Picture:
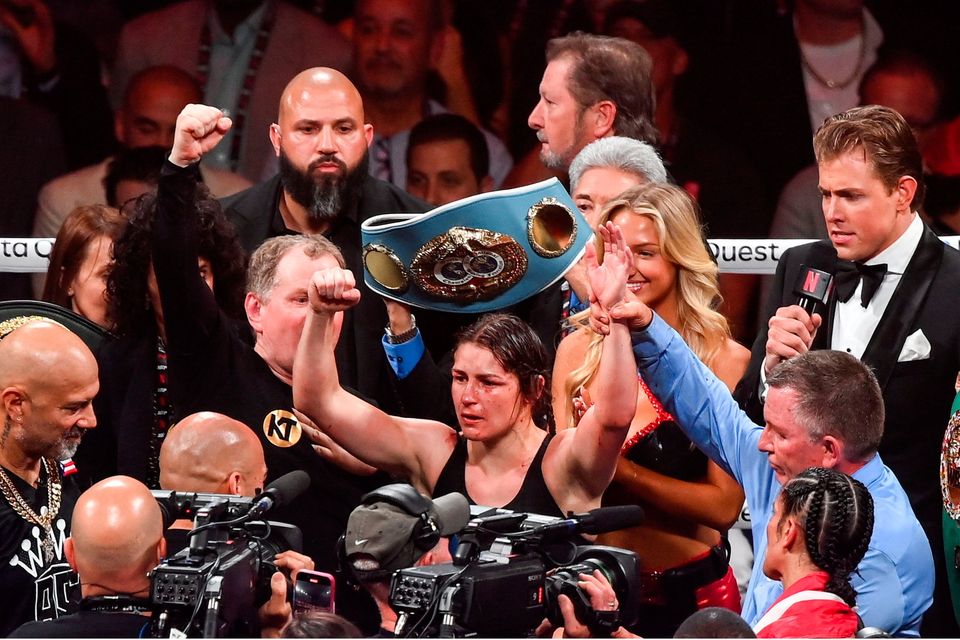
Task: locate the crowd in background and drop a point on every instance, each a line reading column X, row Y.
column 247, row 140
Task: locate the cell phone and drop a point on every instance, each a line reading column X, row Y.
column 314, row 591
column 25, row 15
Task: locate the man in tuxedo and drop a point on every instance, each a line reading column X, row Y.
column 895, row 283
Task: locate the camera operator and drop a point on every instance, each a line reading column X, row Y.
column 385, row 534
column 116, row 539
column 602, row 598
column 211, row 453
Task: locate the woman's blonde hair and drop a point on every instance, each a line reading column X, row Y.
column 682, row 244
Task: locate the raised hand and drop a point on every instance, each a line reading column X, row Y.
column 791, row 332
column 199, row 129
column 333, row 290
column 608, row 281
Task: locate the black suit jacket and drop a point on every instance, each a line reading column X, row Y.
column 917, row 395
column 361, row 362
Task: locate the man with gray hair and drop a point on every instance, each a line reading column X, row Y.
column 603, row 170
column 607, row 167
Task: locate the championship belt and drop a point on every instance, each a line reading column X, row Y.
column 478, row 254
column 950, row 468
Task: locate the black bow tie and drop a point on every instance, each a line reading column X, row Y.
column 849, row 275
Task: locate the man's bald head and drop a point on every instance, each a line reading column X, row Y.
column 319, row 83
column 210, row 452
column 116, row 536
column 48, row 378
column 321, row 140
column 153, row 99
column 39, row 349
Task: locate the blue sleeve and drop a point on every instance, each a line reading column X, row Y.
column 880, row 596
column 404, row 357
column 702, row 406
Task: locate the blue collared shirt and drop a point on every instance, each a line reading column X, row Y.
column 403, row 357
column 894, row 582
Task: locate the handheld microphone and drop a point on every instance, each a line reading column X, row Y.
column 281, row 491
column 815, row 281
column 594, row 521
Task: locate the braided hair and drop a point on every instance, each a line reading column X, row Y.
column 836, row 515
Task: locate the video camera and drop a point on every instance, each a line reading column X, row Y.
column 509, row 569
column 226, row 568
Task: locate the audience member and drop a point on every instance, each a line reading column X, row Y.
column 942, row 174
column 216, row 370
column 900, row 80
column 137, row 400
column 81, row 260
column 689, row 502
column 699, row 159
column 153, row 98
column 242, row 54
column 447, row 159
column 780, row 71
column 48, row 379
column 895, row 319
column 817, row 535
column 593, row 87
column 324, row 187
column 824, row 408
column 116, row 539
column 31, row 154
column 506, row 455
column 395, row 44
column 132, row 173
column 56, row 67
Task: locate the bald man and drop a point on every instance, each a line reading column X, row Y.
column 209, row 452
column 321, row 138
column 48, row 378
column 116, row 539
column 147, row 117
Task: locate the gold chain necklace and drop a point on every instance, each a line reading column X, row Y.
column 23, row 509
column 839, row 84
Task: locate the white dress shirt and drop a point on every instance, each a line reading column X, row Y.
column 853, row 325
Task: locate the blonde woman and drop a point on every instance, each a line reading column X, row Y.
column 689, row 501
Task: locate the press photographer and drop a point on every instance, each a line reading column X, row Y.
column 229, row 550
column 209, row 452
column 394, row 528
column 512, row 570
column 116, row 540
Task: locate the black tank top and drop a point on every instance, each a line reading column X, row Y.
column 533, row 497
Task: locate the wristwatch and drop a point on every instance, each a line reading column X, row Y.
column 400, row 338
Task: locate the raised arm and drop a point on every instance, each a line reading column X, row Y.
column 416, row 449
column 190, row 309
column 594, row 446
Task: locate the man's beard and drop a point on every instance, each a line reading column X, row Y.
column 61, row 449
column 560, row 160
column 327, row 196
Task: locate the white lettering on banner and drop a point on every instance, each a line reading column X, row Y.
column 31, row 255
